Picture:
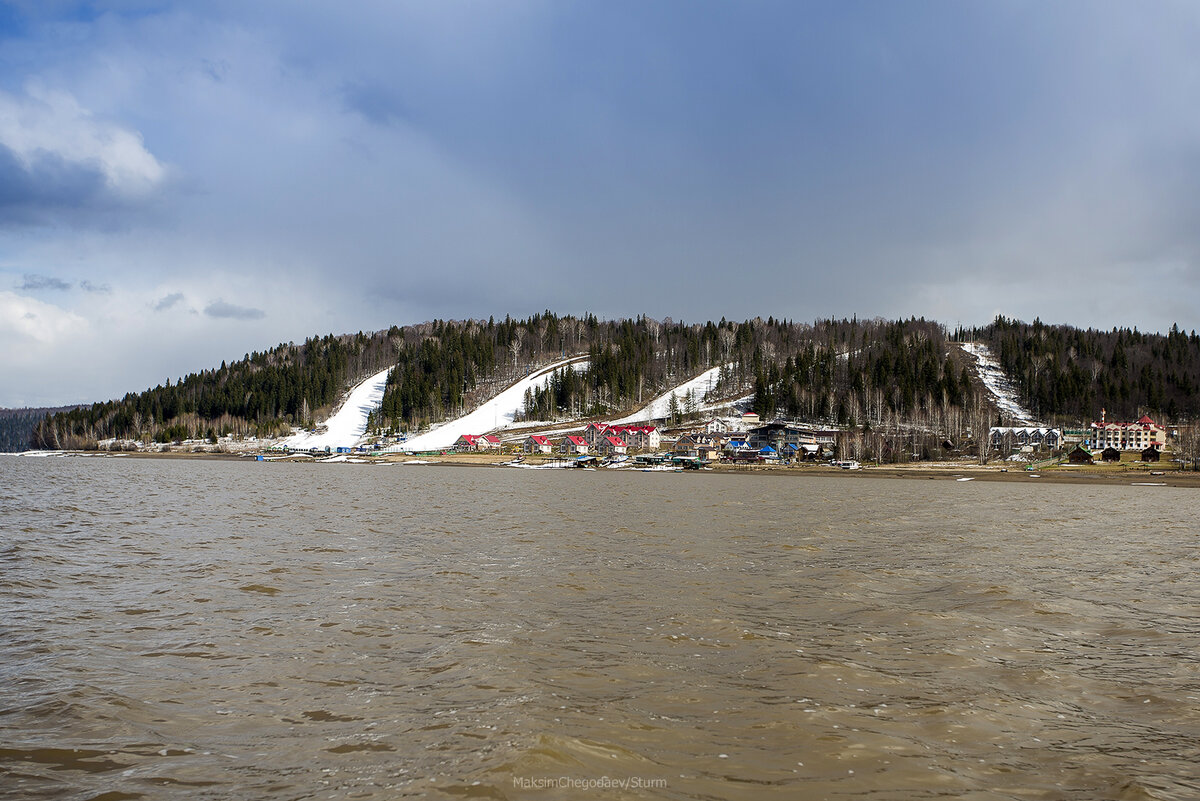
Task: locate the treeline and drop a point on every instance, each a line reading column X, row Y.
column 445, row 368
column 854, row 372
column 834, row 370
column 16, row 426
column 263, row 394
column 1067, row 374
column 851, row 372
column 877, row 375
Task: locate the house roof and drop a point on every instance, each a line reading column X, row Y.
column 539, row 439
column 616, row 442
column 576, row 440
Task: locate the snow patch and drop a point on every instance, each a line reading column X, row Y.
column 493, row 415
column 349, row 423
column 660, row 407
column 996, row 382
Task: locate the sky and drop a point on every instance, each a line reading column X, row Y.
column 182, row 183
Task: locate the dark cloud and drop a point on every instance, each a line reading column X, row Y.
column 88, row 286
column 221, row 309
column 32, row 283
column 404, row 161
column 168, row 301
column 48, row 189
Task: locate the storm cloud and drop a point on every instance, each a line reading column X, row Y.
column 338, row 169
column 60, row 163
column 228, row 311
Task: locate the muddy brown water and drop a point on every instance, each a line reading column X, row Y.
column 191, row 629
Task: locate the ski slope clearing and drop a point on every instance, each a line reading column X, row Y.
column 993, row 378
column 494, row 414
column 660, row 407
column 349, row 423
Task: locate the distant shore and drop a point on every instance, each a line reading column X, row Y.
column 1116, row 475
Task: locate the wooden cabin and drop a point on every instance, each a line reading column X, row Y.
column 1080, row 455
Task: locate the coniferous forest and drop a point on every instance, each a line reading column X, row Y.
column 16, row 426
column 1068, row 374
column 873, row 374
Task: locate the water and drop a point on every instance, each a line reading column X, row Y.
column 194, row 629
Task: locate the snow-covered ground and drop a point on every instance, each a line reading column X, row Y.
column 493, row 415
column 996, row 382
column 660, row 407
column 349, row 423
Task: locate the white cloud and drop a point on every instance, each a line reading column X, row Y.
column 25, row 321
column 50, row 124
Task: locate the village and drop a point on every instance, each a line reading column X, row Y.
column 722, row 440
column 747, row 441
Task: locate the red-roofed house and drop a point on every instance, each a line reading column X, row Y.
column 594, row 432
column 537, row 444
column 642, row 438
column 573, row 445
column 477, row 442
column 466, row 443
column 611, row 446
column 1127, row 436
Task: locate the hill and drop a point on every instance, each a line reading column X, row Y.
column 17, row 425
column 1065, row 374
column 902, row 376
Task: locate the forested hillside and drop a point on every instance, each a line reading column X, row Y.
column 875, row 374
column 263, row 394
column 16, row 426
column 1068, row 375
column 447, row 366
column 833, row 371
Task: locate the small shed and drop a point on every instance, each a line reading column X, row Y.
column 1151, row 454
column 1110, row 454
column 1080, row 455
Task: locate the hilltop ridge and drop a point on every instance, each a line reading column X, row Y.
column 909, row 374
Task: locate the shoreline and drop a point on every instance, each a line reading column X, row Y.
column 1084, row 475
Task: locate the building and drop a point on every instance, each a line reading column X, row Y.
column 575, row 446
column 537, row 444
column 641, row 438
column 465, row 443
column 611, row 446
column 778, row 436
column 1075, row 436
column 1017, row 437
column 594, row 432
column 1151, row 454
column 805, row 452
column 476, row 442
column 686, row 447
column 1080, row 455
column 1126, row 436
